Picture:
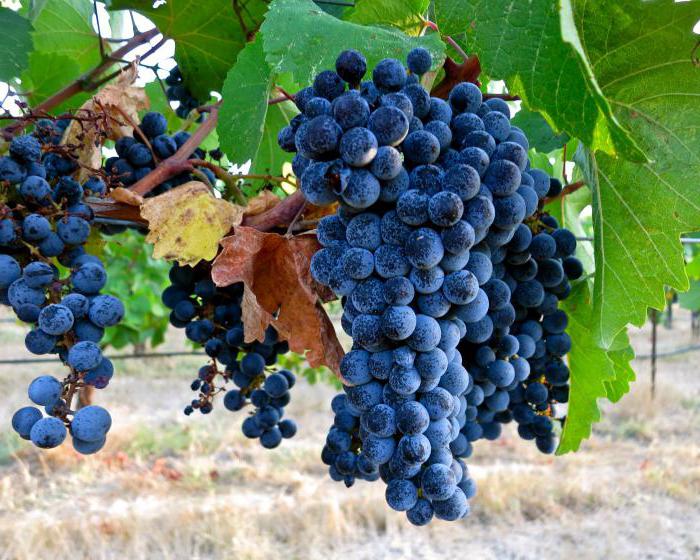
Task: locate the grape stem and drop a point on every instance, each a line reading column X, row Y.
column 231, row 181
column 448, row 39
column 566, row 191
column 178, row 162
column 85, row 82
column 504, row 96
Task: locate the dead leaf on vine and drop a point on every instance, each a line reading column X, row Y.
column 276, row 270
column 314, row 213
column 261, row 203
column 254, row 318
column 102, row 116
column 186, row 223
column 125, row 196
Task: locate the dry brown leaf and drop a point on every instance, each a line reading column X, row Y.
column 114, row 100
column 186, row 223
column 254, row 318
column 312, row 212
column 125, row 196
column 276, row 269
column 261, row 203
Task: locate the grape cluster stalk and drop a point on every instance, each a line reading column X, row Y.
column 444, row 263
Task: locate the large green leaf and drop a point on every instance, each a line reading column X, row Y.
column 451, row 16
column 539, row 133
column 593, row 371
column 244, row 108
column 640, row 54
column 208, row 35
column 406, row 15
column 531, row 46
column 48, row 73
column 15, row 44
column 63, row 27
column 318, row 38
column 270, row 157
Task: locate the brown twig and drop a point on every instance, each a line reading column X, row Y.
column 178, row 162
column 279, row 215
column 566, row 191
column 84, row 82
column 504, row 96
column 230, row 180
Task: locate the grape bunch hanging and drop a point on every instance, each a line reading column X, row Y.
column 54, row 285
column 212, row 318
column 448, row 271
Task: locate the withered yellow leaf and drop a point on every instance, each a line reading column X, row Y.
column 187, row 223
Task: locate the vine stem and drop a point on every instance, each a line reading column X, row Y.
column 84, row 82
column 178, row 162
column 566, row 191
column 230, row 180
column 448, row 39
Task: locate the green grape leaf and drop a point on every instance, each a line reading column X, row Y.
column 244, row 108
column 63, row 27
column 567, row 210
column 624, row 374
column 640, row 54
column 690, row 300
column 15, row 43
column 593, row 371
column 406, row 15
column 451, row 16
column 538, row 131
column 270, row 157
column 318, row 38
column 46, row 74
column 531, row 45
column 208, row 35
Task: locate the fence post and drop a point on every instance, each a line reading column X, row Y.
column 653, row 352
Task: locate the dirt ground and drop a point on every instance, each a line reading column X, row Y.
column 171, row 487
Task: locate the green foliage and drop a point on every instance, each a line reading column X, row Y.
column 690, row 300
column 63, row 27
column 539, row 133
column 318, row 38
column 16, row 43
column 245, row 92
column 208, row 35
column 595, row 373
column 532, row 46
column 451, row 16
column 138, row 280
column 404, row 15
column 46, row 74
column 641, row 210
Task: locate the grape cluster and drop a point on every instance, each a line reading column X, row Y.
column 177, row 91
column 43, row 223
column 211, row 317
column 432, row 195
column 538, row 265
column 139, row 154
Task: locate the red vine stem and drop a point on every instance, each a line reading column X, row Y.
column 178, row 162
column 84, row 82
column 567, row 190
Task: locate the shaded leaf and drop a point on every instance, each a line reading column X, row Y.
column 15, row 44
column 639, row 212
column 405, row 15
column 276, row 269
column 208, row 35
column 186, row 223
column 318, row 39
column 539, row 133
column 244, row 108
column 690, row 300
column 531, row 45
column 451, row 16
column 48, row 73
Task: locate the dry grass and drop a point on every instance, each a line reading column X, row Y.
column 167, row 487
